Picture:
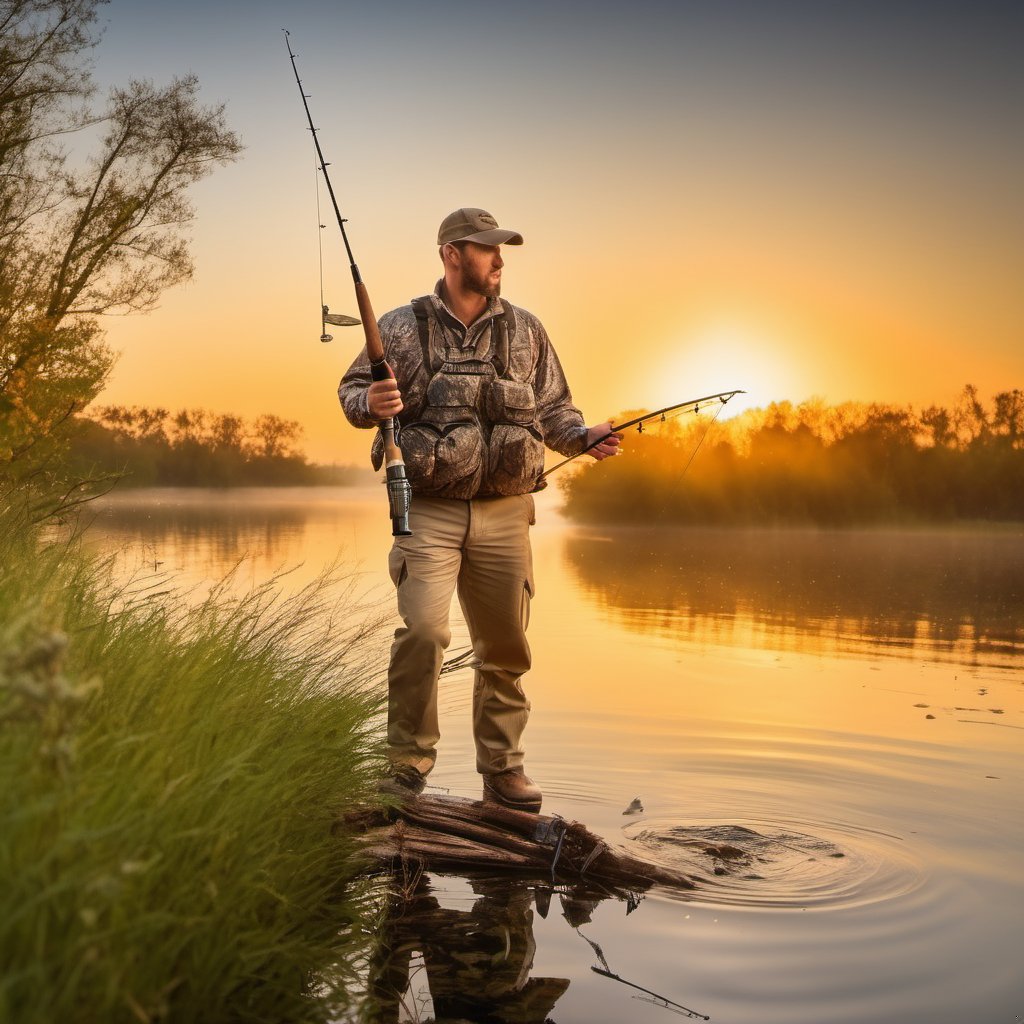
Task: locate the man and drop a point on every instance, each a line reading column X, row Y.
column 478, row 393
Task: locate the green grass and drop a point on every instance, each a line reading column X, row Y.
column 170, row 775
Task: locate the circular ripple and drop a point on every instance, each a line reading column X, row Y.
column 780, row 864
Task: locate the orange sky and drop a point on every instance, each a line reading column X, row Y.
column 794, row 203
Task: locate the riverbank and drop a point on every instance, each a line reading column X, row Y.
column 171, row 773
column 757, row 679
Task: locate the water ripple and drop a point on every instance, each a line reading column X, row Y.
column 781, row 864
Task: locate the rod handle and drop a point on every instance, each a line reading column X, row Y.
column 374, row 346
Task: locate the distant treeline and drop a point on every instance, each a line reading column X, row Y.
column 814, row 463
column 195, row 448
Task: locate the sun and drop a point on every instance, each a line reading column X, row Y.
column 725, row 353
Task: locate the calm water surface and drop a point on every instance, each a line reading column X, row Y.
column 845, row 708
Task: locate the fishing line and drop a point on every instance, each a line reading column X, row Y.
column 670, row 491
column 324, row 336
column 693, row 454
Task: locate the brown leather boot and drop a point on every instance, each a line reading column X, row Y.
column 403, row 781
column 514, row 789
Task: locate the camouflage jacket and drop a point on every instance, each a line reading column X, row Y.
column 480, row 404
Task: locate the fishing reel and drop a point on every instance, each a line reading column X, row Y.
column 336, row 320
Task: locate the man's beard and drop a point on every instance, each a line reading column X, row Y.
column 481, row 285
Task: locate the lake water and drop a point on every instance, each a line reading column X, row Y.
column 846, row 708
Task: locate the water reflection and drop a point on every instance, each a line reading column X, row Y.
column 950, row 594
column 222, row 529
column 662, row 1002
column 251, row 534
column 470, row 964
column 445, row 963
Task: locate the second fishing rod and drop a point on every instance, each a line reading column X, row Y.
column 399, row 491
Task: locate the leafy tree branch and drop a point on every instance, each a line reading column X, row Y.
column 86, row 237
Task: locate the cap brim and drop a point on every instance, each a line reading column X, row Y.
column 496, row 236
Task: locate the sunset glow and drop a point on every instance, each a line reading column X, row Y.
column 728, row 353
column 798, row 204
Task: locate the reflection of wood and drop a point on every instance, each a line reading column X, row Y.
column 452, row 833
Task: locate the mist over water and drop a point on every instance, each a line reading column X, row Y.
column 839, row 714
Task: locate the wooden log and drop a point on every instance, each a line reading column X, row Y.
column 453, row 833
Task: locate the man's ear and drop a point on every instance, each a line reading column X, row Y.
column 450, row 254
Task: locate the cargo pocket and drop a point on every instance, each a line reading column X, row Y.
column 397, row 566
column 531, row 509
column 524, row 608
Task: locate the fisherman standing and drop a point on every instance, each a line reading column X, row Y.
column 479, row 394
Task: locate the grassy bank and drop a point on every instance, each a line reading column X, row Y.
column 170, row 776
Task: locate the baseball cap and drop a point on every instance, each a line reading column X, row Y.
column 469, row 224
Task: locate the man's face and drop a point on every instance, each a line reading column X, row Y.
column 481, row 269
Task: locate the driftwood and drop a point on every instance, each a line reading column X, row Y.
column 453, row 833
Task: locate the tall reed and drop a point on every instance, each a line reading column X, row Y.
column 170, row 775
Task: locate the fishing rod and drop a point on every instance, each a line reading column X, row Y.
column 691, row 405
column 399, row 490
column 663, row 1001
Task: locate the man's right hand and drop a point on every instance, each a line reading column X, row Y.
column 384, row 400
column 610, row 445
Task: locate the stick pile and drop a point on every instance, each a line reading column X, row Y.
column 453, row 833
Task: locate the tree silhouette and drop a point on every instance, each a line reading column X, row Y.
column 82, row 237
column 812, row 463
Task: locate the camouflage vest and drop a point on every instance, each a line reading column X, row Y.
column 478, row 434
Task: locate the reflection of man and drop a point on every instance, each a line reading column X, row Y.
column 477, row 963
column 479, row 393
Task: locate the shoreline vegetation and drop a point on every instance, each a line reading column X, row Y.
column 173, row 776
column 815, row 464
column 172, row 771
column 141, row 447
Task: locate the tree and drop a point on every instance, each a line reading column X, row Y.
column 937, row 427
column 1008, row 417
column 970, row 421
column 81, row 236
column 276, row 438
column 228, row 433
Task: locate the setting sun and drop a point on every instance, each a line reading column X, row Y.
column 728, row 352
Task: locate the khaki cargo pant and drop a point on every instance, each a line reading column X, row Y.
column 483, row 548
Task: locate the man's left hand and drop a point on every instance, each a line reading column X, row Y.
column 609, row 446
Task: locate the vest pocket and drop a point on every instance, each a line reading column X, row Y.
column 515, row 459
column 510, row 401
column 454, row 391
column 443, row 462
